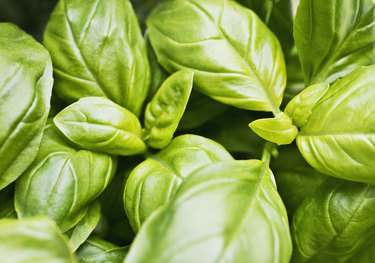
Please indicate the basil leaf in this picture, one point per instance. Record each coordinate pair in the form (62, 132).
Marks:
(33, 240)
(62, 182)
(95, 250)
(223, 212)
(79, 234)
(164, 111)
(299, 108)
(153, 182)
(225, 45)
(335, 222)
(334, 37)
(25, 92)
(97, 50)
(99, 124)
(339, 136)
(279, 129)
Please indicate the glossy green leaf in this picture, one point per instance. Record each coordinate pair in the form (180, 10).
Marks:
(25, 92)
(62, 181)
(33, 240)
(236, 59)
(223, 212)
(98, 124)
(339, 136)
(95, 250)
(279, 129)
(334, 37)
(299, 108)
(79, 234)
(97, 50)
(335, 222)
(164, 111)
(153, 182)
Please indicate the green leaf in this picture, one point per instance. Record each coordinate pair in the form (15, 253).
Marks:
(334, 37)
(25, 91)
(95, 250)
(339, 136)
(299, 108)
(335, 222)
(153, 182)
(236, 59)
(62, 181)
(33, 240)
(164, 111)
(279, 129)
(97, 50)
(79, 234)
(223, 212)
(98, 124)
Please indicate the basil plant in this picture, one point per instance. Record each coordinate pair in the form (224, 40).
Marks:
(203, 131)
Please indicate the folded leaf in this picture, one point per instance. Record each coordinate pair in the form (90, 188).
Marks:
(334, 37)
(279, 129)
(299, 108)
(164, 111)
(335, 222)
(97, 50)
(236, 59)
(153, 182)
(33, 240)
(223, 212)
(25, 93)
(338, 138)
(101, 125)
(62, 181)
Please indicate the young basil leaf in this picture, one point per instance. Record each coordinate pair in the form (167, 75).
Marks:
(33, 240)
(62, 181)
(236, 59)
(279, 129)
(95, 250)
(25, 92)
(164, 111)
(97, 50)
(299, 108)
(223, 212)
(339, 136)
(98, 124)
(335, 222)
(334, 37)
(79, 234)
(153, 182)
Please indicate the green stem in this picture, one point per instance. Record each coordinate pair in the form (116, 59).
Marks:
(268, 150)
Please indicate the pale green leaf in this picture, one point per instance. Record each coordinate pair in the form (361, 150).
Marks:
(98, 124)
